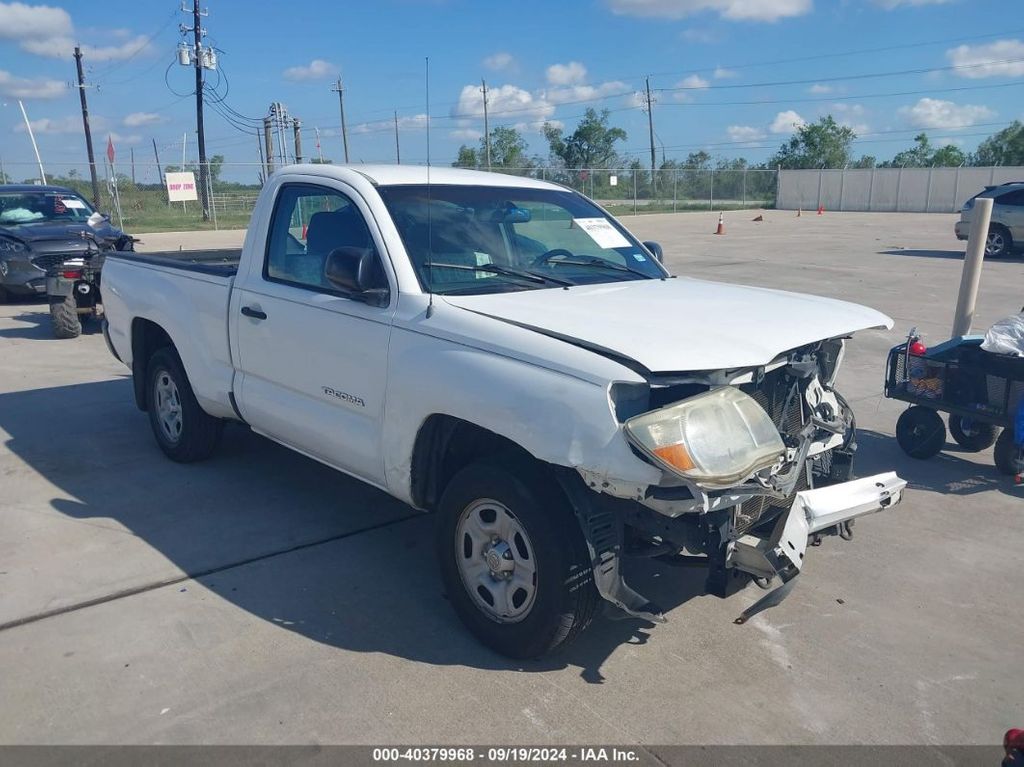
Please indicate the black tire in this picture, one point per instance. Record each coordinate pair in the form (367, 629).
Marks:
(565, 598)
(920, 432)
(198, 433)
(1008, 456)
(3, 295)
(64, 317)
(999, 243)
(971, 434)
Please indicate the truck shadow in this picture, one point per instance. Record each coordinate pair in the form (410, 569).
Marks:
(279, 535)
(952, 254)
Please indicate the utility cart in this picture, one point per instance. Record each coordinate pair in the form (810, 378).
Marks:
(981, 391)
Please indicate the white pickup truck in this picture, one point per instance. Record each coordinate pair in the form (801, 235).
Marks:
(504, 353)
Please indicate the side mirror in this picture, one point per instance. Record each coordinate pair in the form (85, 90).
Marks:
(655, 249)
(355, 271)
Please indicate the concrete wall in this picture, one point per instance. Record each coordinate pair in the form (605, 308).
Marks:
(911, 190)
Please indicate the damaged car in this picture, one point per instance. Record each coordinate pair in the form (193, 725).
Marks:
(504, 353)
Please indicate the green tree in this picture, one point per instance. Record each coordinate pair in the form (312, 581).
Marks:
(698, 160)
(948, 156)
(865, 161)
(466, 159)
(825, 143)
(591, 145)
(215, 165)
(918, 156)
(1003, 148)
(508, 149)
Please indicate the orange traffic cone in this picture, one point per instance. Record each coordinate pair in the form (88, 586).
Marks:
(821, 209)
(759, 218)
(799, 212)
(721, 224)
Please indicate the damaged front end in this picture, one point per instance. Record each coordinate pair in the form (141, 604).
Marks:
(754, 465)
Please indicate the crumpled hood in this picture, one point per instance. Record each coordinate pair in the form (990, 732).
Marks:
(42, 235)
(679, 324)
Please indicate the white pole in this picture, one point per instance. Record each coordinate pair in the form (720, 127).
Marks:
(184, 139)
(973, 259)
(31, 135)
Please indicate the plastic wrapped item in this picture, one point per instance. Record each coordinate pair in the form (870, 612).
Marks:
(1006, 336)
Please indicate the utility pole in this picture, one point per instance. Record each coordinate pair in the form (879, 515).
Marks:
(268, 142)
(487, 132)
(650, 126)
(156, 155)
(341, 104)
(262, 175)
(398, 149)
(297, 132)
(200, 59)
(88, 131)
(35, 146)
(319, 149)
(131, 151)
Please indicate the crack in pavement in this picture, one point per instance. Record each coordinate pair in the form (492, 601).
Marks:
(142, 589)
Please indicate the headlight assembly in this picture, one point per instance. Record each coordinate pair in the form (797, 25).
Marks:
(7, 245)
(716, 439)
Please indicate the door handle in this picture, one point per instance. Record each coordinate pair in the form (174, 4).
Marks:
(256, 314)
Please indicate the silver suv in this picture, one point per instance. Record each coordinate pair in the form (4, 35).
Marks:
(1006, 230)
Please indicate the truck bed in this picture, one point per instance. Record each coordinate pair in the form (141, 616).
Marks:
(222, 262)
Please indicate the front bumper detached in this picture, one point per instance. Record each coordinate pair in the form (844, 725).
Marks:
(813, 511)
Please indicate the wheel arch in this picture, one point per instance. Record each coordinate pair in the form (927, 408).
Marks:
(147, 337)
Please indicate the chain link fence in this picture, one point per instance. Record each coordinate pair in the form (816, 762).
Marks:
(135, 196)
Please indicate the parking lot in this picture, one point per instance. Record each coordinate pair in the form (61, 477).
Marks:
(261, 597)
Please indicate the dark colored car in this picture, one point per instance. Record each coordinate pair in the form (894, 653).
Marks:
(40, 228)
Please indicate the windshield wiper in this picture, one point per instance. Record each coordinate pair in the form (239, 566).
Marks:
(504, 270)
(596, 261)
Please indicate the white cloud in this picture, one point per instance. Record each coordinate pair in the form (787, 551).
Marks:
(989, 60)
(721, 73)
(578, 93)
(48, 31)
(936, 114)
(786, 122)
(744, 133)
(572, 73)
(119, 138)
(697, 35)
(852, 116)
(693, 82)
(819, 88)
(54, 125)
(14, 87)
(414, 122)
(500, 62)
(504, 101)
(734, 10)
(890, 4)
(317, 69)
(138, 119)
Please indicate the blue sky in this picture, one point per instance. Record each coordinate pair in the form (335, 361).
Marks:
(730, 76)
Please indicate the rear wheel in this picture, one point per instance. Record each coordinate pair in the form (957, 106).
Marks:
(183, 430)
(513, 559)
(971, 434)
(999, 242)
(920, 432)
(1009, 457)
(64, 317)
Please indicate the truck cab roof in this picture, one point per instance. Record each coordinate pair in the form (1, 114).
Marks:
(403, 175)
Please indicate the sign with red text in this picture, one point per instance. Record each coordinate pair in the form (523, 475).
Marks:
(181, 186)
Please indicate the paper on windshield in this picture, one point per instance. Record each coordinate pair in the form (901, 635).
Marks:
(602, 232)
(72, 203)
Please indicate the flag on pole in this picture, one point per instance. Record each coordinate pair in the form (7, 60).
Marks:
(110, 150)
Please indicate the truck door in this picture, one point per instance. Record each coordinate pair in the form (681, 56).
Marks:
(311, 359)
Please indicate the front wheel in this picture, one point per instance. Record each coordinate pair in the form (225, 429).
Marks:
(64, 317)
(920, 432)
(513, 559)
(998, 243)
(971, 434)
(183, 430)
(1009, 457)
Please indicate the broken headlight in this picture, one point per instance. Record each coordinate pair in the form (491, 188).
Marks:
(716, 439)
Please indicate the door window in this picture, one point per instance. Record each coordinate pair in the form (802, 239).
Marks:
(310, 222)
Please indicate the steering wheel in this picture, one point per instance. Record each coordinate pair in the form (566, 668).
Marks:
(544, 258)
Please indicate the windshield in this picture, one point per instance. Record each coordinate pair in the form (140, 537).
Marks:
(483, 239)
(31, 207)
